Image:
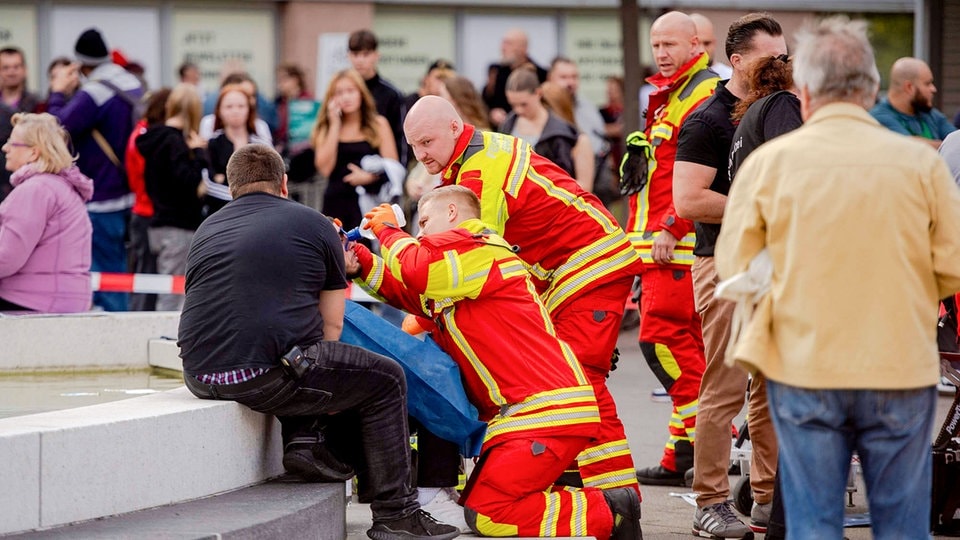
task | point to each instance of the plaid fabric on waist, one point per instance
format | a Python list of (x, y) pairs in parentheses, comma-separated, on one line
[(233, 376)]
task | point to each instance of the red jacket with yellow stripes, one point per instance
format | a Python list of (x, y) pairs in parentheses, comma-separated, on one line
[(568, 240), (488, 318), (652, 210)]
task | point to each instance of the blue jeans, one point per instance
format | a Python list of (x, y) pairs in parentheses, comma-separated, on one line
[(818, 432), (109, 254), (368, 390)]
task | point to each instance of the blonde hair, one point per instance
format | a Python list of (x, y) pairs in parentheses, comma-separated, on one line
[(470, 203), (184, 103), (44, 132), (368, 109), (558, 99)]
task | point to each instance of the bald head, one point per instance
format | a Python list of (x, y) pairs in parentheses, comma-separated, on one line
[(673, 39), (907, 69), (911, 86), (513, 47), (432, 128), (705, 33)]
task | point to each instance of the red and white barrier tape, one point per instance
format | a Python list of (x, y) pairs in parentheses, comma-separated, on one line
[(163, 284)]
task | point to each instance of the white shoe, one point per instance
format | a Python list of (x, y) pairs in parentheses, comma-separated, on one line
[(660, 395), (444, 508)]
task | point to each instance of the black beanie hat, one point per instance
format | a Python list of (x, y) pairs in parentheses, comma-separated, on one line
[(90, 48)]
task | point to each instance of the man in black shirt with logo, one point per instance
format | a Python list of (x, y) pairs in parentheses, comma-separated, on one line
[(700, 186), (263, 312)]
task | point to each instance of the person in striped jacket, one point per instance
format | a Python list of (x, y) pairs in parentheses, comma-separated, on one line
[(469, 287)]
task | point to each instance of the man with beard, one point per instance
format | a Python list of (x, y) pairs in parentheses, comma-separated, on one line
[(908, 107)]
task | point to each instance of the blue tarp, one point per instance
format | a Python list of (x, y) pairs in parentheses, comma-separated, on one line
[(435, 394)]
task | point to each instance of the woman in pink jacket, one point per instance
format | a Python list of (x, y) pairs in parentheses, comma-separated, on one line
[(45, 232)]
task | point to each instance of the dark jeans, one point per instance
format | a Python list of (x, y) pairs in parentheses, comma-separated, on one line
[(349, 380)]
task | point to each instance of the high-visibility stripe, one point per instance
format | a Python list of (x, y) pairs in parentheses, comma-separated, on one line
[(551, 513), (578, 513), (612, 479), (550, 398), (604, 451), (559, 417)]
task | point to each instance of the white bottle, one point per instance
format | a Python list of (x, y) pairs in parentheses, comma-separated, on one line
[(368, 233)]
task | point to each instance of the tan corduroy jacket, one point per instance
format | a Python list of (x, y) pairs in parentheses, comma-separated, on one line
[(863, 228)]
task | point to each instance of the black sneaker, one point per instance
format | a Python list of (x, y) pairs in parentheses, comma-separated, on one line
[(660, 476), (418, 525), (314, 463), (624, 504)]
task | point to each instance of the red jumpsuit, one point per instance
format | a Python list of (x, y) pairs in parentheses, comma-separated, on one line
[(581, 261), (527, 384), (670, 330)]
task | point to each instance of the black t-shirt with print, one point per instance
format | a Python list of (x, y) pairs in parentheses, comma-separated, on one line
[(705, 139)]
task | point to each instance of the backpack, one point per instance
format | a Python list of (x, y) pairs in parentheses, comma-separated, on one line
[(138, 107), (635, 165), (945, 495)]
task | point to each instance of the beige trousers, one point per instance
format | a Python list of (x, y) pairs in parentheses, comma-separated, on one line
[(722, 395)]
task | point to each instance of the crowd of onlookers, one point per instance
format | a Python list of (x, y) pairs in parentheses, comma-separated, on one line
[(157, 157)]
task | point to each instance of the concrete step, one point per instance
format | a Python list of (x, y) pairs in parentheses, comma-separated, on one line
[(281, 508)]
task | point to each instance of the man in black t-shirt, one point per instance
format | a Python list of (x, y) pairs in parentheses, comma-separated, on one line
[(263, 312), (700, 187)]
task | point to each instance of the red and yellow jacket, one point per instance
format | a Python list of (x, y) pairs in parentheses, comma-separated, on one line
[(568, 240), (652, 210), (488, 318)]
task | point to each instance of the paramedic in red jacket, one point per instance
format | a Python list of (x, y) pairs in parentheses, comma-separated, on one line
[(474, 293), (581, 261)]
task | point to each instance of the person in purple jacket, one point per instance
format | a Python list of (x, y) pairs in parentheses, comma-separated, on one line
[(99, 121), (45, 232)]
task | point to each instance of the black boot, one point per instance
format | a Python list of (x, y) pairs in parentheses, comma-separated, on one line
[(309, 458), (624, 504), (661, 476)]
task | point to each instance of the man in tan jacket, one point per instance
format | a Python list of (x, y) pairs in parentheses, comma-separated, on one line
[(863, 231)]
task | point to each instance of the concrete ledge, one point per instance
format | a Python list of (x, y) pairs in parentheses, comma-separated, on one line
[(273, 510), (164, 353), (113, 458), (81, 341)]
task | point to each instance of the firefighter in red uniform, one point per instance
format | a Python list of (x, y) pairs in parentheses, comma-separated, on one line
[(670, 332), (476, 296), (581, 262)]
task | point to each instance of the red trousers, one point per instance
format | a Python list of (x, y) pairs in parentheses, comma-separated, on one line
[(509, 493), (590, 324), (671, 340)]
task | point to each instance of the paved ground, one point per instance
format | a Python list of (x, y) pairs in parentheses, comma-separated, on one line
[(664, 516)]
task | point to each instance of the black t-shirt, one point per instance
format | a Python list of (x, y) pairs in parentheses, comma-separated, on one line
[(254, 276), (768, 118), (705, 139)]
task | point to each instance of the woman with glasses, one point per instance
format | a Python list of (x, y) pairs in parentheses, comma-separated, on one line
[(45, 233)]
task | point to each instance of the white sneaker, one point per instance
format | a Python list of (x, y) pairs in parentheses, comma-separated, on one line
[(444, 508), (660, 395)]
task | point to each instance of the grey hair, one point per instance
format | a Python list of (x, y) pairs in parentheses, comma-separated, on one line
[(833, 59)]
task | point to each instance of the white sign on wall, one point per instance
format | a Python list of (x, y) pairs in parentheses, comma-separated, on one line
[(409, 42), (593, 43), (331, 58), (18, 28), (134, 31), (220, 41)]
